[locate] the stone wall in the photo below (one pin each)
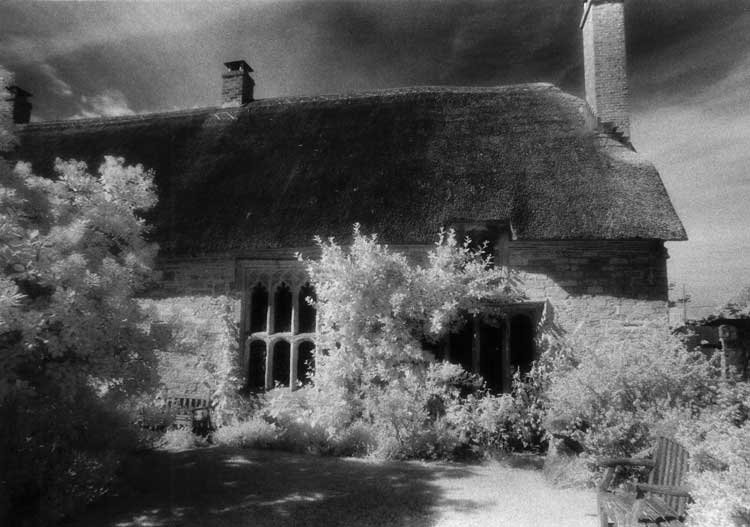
(613, 290)
(591, 290)
(196, 276)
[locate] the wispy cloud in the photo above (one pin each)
(109, 103)
(57, 84)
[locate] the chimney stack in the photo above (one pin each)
(237, 85)
(19, 102)
(604, 59)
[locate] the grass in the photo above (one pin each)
(223, 487)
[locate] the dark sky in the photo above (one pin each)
(689, 63)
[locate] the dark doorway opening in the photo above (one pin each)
(491, 334)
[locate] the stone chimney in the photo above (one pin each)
(237, 84)
(603, 26)
(19, 103)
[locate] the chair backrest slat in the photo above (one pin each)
(671, 467)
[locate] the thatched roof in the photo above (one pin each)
(401, 162)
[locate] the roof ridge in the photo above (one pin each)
(286, 100)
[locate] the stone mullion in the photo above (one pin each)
(269, 364)
(295, 310)
(271, 305)
(270, 331)
(293, 356)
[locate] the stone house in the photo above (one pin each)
(550, 180)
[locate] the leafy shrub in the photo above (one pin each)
(178, 439)
(156, 417)
(610, 398)
(718, 439)
(307, 423)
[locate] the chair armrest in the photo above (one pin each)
(668, 490)
(625, 462)
(612, 464)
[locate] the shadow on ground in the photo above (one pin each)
(218, 487)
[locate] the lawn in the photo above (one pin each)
(229, 487)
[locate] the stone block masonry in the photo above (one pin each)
(605, 62)
(196, 276)
(613, 290)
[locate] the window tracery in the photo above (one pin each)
(279, 326)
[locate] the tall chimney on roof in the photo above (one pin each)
(237, 84)
(21, 107)
(603, 26)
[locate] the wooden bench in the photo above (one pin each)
(660, 502)
(184, 409)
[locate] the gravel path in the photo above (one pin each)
(225, 487)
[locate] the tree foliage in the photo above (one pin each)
(375, 307)
(72, 255)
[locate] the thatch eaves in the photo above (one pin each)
(276, 172)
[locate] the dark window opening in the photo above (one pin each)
(306, 311)
(494, 346)
(282, 321)
(305, 362)
(521, 343)
(281, 363)
(256, 376)
(461, 343)
(258, 308)
(481, 239)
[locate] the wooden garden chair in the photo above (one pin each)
(660, 502)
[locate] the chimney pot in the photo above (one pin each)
(605, 63)
(237, 84)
